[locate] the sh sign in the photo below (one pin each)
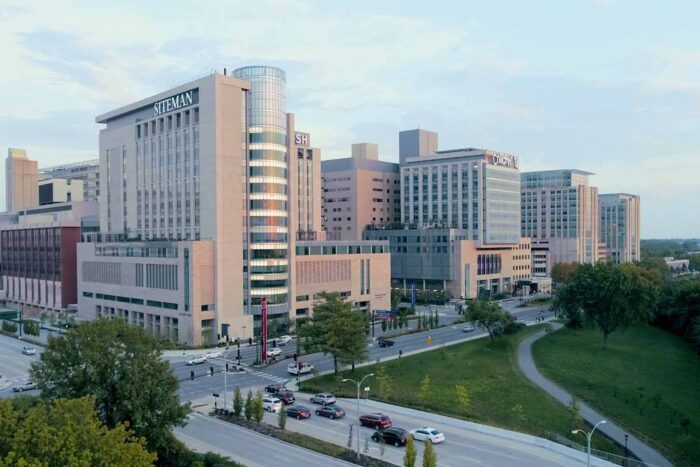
(301, 139)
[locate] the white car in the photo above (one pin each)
(284, 340)
(272, 404)
(299, 368)
(216, 354)
(468, 328)
(198, 359)
(28, 386)
(324, 398)
(28, 350)
(428, 434)
(274, 352)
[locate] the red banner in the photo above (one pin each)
(263, 329)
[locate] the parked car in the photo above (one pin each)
(274, 352)
(396, 436)
(28, 350)
(283, 340)
(273, 388)
(468, 328)
(286, 396)
(428, 434)
(215, 354)
(330, 411)
(375, 420)
(28, 386)
(197, 360)
(385, 342)
(299, 368)
(298, 412)
(323, 398)
(272, 404)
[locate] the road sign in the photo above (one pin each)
(383, 314)
(413, 295)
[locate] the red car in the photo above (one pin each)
(375, 420)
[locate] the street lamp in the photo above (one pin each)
(588, 438)
(626, 436)
(358, 384)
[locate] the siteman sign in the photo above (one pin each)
(505, 160)
(178, 101)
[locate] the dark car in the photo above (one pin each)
(396, 436)
(385, 342)
(286, 396)
(375, 420)
(298, 412)
(330, 411)
(273, 388)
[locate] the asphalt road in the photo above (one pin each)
(204, 433)
(14, 365)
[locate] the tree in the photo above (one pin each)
(9, 326)
(282, 418)
(429, 456)
(31, 328)
(610, 295)
(383, 325)
(424, 390)
(237, 402)
(562, 271)
(384, 381)
(258, 409)
(121, 366)
(249, 407)
(410, 456)
(488, 315)
(395, 298)
(337, 328)
(463, 398)
(66, 432)
(394, 324)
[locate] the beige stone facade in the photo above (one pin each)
(619, 227)
(21, 181)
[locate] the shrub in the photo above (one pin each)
(9, 326)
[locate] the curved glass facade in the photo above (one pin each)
(268, 239)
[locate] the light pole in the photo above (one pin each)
(588, 438)
(626, 436)
(358, 384)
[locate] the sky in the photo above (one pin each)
(607, 86)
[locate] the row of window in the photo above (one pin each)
(135, 301)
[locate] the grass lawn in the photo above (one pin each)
(499, 395)
(647, 379)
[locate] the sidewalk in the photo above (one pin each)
(613, 431)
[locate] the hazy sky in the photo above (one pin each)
(612, 87)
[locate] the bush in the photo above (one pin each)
(513, 327)
(9, 326)
(31, 328)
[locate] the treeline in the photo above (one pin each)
(664, 248)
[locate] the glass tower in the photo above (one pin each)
(267, 246)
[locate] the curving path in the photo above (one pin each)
(527, 365)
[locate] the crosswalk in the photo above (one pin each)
(262, 374)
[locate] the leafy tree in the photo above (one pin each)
(394, 324)
(679, 308)
(383, 325)
(610, 295)
(282, 418)
(258, 409)
(337, 328)
(488, 315)
(655, 264)
(121, 366)
(31, 327)
(562, 271)
(9, 326)
(463, 398)
(410, 456)
(425, 322)
(249, 407)
(519, 412)
(395, 299)
(384, 381)
(66, 432)
(429, 456)
(237, 402)
(424, 390)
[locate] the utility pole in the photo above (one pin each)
(358, 384)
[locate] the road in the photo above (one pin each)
(204, 433)
(14, 365)
(204, 385)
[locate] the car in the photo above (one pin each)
(299, 368)
(283, 340)
(299, 412)
(28, 386)
(330, 411)
(274, 352)
(385, 342)
(272, 404)
(428, 434)
(375, 420)
(286, 396)
(323, 398)
(468, 328)
(28, 350)
(197, 360)
(273, 388)
(215, 354)
(396, 436)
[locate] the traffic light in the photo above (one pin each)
(295, 356)
(191, 375)
(227, 367)
(274, 342)
(250, 341)
(238, 343)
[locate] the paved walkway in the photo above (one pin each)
(613, 431)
